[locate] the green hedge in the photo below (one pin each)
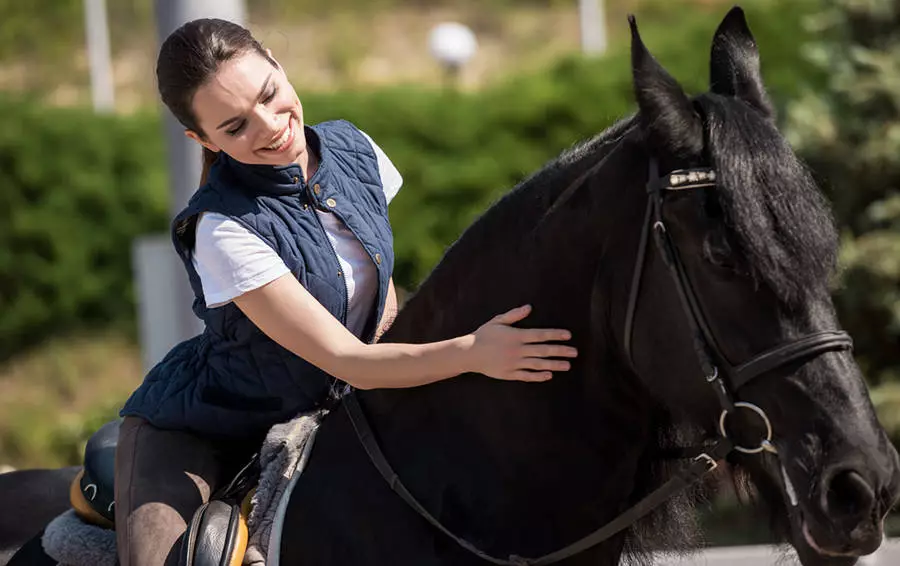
(75, 189)
(78, 188)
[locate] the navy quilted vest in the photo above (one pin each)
(232, 379)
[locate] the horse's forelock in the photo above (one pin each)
(778, 216)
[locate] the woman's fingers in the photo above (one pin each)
(544, 365)
(514, 315)
(533, 376)
(521, 354)
(533, 335)
(548, 351)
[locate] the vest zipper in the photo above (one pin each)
(365, 338)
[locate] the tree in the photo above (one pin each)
(849, 134)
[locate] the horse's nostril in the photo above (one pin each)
(849, 496)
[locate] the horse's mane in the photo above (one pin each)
(778, 218)
(536, 193)
(517, 212)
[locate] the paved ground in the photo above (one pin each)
(887, 555)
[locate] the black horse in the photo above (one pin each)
(734, 293)
(525, 470)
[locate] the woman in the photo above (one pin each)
(287, 246)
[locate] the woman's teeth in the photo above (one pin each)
(276, 145)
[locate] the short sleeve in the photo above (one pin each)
(391, 180)
(231, 260)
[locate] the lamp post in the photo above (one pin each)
(593, 26)
(453, 45)
(99, 58)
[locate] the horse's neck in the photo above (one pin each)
(526, 468)
(494, 455)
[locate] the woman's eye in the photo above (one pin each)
(235, 131)
(270, 96)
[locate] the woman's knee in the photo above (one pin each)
(162, 477)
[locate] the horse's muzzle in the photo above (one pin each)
(846, 511)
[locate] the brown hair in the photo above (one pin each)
(189, 57)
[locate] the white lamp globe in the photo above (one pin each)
(452, 43)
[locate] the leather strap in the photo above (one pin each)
(689, 475)
(807, 347)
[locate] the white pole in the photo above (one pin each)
(99, 59)
(163, 292)
(593, 26)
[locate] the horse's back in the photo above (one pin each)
(30, 500)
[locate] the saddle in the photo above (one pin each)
(217, 534)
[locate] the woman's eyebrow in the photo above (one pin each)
(259, 96)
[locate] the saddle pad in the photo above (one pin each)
(72, 542)
(283, 462)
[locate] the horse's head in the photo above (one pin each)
(735, 282)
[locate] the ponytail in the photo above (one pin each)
(209, 157)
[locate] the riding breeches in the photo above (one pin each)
(162, 477)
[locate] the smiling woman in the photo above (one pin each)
(288, 248)
(245, 118)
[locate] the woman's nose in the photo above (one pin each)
(270, 121)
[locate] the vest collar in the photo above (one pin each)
(267, 179)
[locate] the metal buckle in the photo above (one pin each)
(711, 464)
(766, 444)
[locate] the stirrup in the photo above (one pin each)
(217, 536)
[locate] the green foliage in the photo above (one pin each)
(849, 132)
(26, 27)
(76, 190)
(36, 438)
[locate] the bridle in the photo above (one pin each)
(725, 378)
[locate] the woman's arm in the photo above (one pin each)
(291, 316)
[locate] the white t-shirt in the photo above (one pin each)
(231, 260)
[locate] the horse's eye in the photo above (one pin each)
(718, 252)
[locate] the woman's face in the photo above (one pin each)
(249, 110)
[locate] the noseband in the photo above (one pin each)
(725, 378)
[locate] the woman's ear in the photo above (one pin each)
(199, 139)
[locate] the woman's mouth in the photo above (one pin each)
(283, 141)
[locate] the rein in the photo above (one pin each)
(708, 353)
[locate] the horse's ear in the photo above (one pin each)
(667, 115)
(734, 63)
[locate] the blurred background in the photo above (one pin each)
(84, 172)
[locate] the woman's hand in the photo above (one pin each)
(286, 312)
(500, 351)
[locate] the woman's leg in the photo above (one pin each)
(162, 477)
